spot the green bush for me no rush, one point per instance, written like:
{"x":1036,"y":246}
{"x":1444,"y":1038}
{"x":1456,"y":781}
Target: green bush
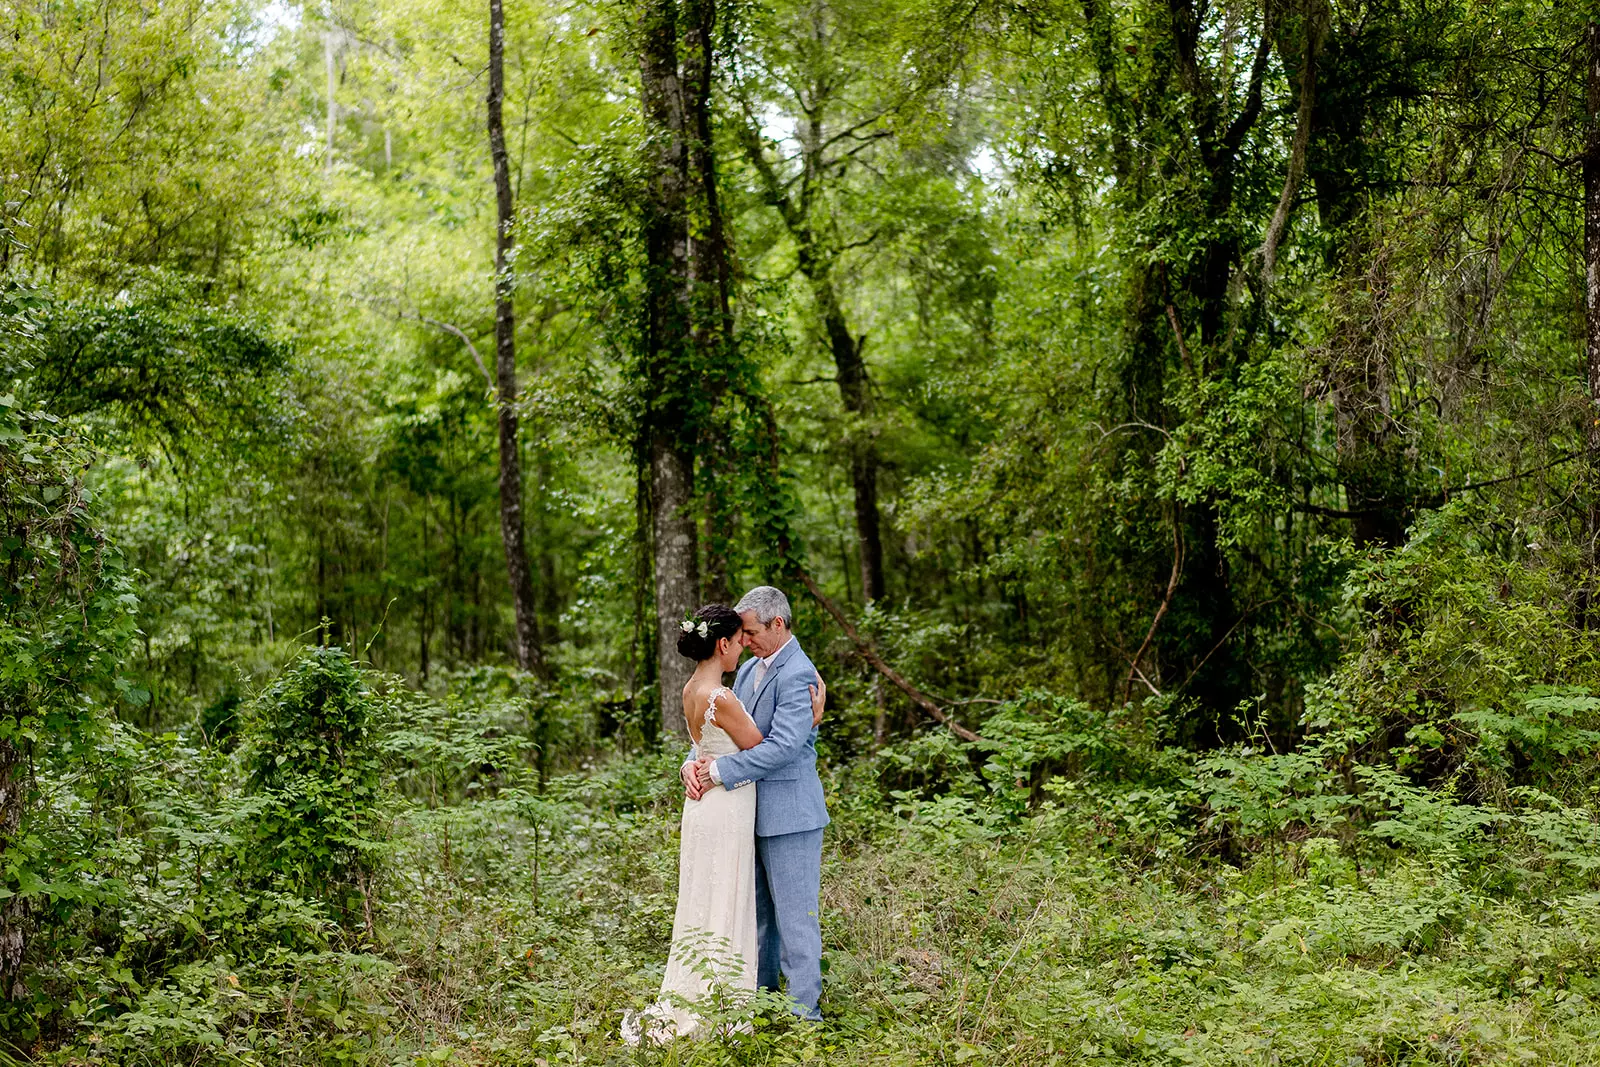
{"x":1469,"y":657}
{"x":312,"y":758}
{"x":66,"y":615}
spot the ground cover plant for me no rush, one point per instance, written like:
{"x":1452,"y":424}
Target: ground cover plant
{"x":1136,"y":904}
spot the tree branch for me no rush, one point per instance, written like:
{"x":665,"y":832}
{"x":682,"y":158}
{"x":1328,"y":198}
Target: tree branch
{"x":1166,"y":603}
{"x":1233,"y":137}
{"x":865,"y":649}
{"x":1297,"y":149}
{"x":1435,"y":499}
{"x":1177,"y":331}
{"x":471,"y":348}
{"x":400,"y":312}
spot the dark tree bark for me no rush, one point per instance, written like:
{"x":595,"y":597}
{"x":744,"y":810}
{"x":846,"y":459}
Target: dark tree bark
{"x":529,"y":655}
{"x":14,"y":910}
{"x":855,"y":391}
{"x":1369,"y":445}
{"x":668,"y":449}
{"x":710,"y":291}
{"x":1591,"y":263}
{"x":816,"y":262}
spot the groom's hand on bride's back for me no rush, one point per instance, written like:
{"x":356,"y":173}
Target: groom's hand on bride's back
{"x":819,"y":700}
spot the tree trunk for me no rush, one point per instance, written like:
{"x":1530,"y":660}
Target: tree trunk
{"x":710,"y":266}
{"x":710,"y":286}
{"x":13,"y":910}
{"x":855,"y":388}
{"x":1591,"y":262}
{"x":1368,"y":444}
{"x":669,"y":382}
{"x":677,"y":573}
{"x":529,"y":655}
{"x":855,"y":391}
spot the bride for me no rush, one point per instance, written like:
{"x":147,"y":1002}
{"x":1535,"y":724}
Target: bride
{"x":714,"y":930}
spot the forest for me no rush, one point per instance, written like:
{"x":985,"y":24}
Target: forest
{"x":1176,"y":424}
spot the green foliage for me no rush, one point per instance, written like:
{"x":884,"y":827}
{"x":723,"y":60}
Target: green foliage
{"x":67,"y":613}
{"x":1471,"y":659}
{"x":1042,"y":735}
{"x":66,"y":604}
{"x":518,"y":926}
{"x":167,"y":363}
{"x":313,"y":763}
{"x":1269,"y":588}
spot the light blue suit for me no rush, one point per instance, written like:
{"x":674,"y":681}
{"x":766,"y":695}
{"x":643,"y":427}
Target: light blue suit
{"x":790,"y":815}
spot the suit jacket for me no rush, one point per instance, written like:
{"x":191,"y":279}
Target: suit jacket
{"x":784,"y":765}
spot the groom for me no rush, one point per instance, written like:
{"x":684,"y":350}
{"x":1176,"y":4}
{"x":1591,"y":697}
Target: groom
{"x":775,"y":687}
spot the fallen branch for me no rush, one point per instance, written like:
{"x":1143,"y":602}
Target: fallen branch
{"x":869,"y":653}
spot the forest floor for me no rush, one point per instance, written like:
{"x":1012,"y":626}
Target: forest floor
{"x":517,"y":931}
{"x":515,"y":925}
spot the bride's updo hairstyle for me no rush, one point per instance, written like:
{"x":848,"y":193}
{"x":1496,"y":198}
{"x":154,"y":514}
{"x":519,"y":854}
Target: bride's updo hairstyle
{"x":699,"y":633}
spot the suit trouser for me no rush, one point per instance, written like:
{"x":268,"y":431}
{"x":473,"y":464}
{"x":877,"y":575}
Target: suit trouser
{"x":788,"y":930}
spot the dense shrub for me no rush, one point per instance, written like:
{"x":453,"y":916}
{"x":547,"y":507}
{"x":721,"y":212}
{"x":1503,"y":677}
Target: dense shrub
{"x":66,"y":616}
{"x":1470,"y":656}
{"x":312,"y":758}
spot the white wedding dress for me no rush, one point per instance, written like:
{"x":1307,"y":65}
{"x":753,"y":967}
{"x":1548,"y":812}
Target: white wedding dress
{"x":714,"y":931}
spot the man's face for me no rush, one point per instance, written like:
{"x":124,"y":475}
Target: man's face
{"x":762,"y":639}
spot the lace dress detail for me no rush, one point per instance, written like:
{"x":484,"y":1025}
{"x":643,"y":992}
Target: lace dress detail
{"x":714,"y":930}
{"x":711,"y":715}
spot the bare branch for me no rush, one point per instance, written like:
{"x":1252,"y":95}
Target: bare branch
{"x":1161,"y":612}
{"x":459,"y":333}
{"x":868,"y":652}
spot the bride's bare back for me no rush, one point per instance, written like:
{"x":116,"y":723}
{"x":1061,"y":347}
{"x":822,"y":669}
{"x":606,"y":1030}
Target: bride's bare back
{"x":730,"y":714}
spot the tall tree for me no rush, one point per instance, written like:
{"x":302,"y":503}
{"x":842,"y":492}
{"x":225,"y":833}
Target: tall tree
{"x":1178,"y":337}
{"x":529,"y":654}
{"x":667,"y":441}
{"x":1591,"y":263}
{"x":711,"y":283}
{"x":66,"y":616}
{"x":824,"y":68}
{"x":818,"y":261}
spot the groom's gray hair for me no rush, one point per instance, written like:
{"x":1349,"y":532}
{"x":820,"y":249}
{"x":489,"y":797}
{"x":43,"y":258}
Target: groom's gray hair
{"x":768,"y":604}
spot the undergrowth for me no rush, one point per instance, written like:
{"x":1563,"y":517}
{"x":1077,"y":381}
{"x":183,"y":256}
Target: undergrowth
{"x":515,"y":927}
{"x":365,"y":874}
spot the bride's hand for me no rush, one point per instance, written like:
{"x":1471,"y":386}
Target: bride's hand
{"x":689,"y":772}
{"x":819,"y":700}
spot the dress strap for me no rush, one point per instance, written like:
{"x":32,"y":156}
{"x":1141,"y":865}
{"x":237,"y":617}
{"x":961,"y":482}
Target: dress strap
{"x":711,"y":705}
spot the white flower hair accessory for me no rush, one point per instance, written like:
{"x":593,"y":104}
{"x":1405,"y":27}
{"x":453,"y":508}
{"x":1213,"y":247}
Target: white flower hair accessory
{"x":695,"y":625}
{"x":687,"y":626}
{"x":704,"y":628}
